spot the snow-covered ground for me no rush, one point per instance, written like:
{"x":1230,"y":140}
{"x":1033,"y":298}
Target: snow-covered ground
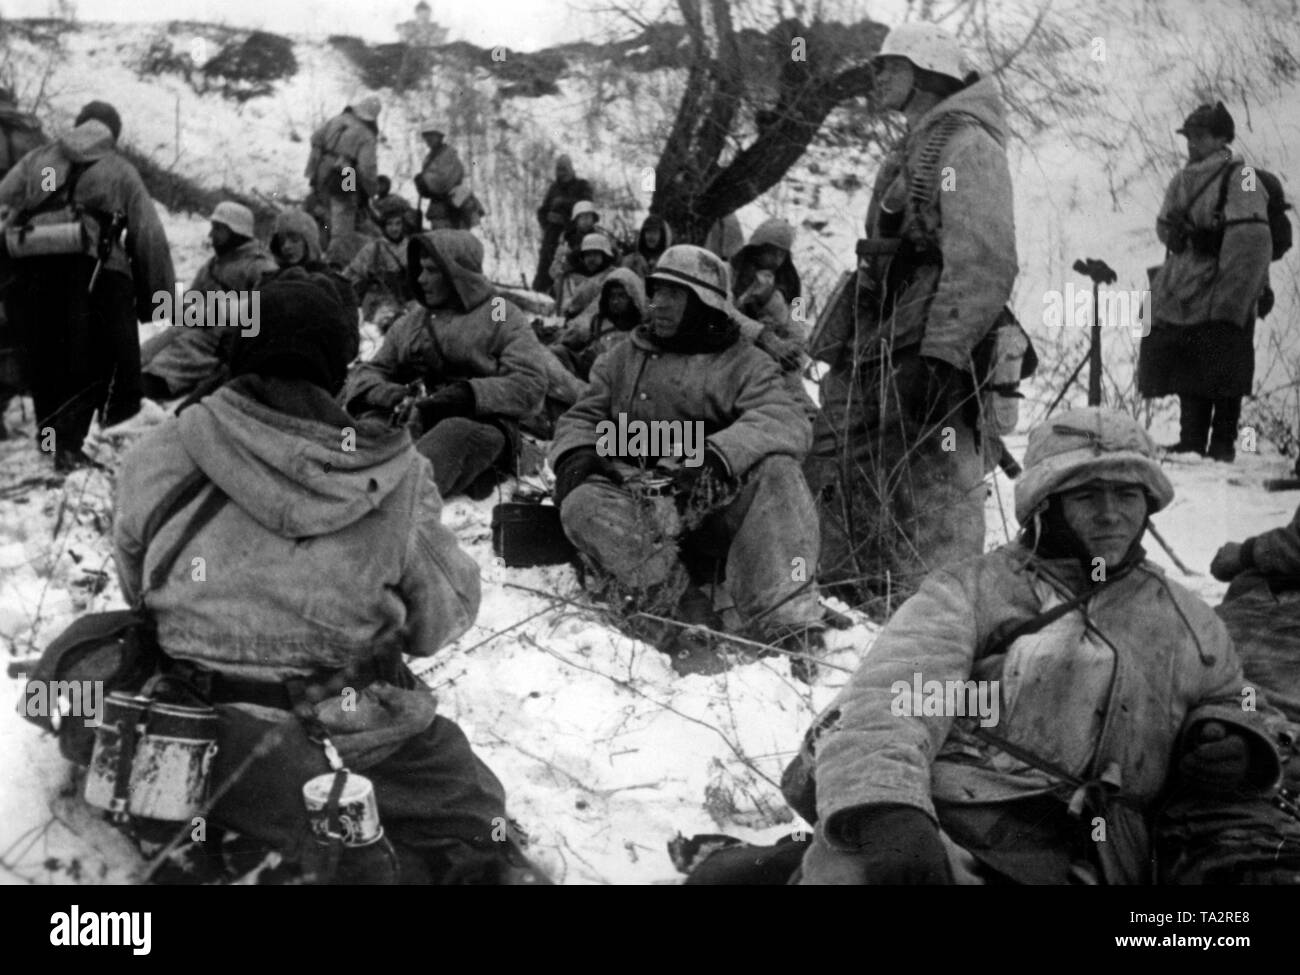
{"x":606,"y":753}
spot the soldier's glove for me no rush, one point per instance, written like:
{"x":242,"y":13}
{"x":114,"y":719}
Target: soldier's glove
{"x":456,"y":399}
{"x":703,"y":485}
{"x":1217,"y":759}
{"x":893,"y":845}
{"x":577,"y":466}
{"x":1265,"y":304}
{"x":927,"y":389}
{"x":1228,"y":562}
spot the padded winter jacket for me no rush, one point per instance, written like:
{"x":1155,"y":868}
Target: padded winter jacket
{"x":323,"y":556}
{"x":347,"y":140}
{"x":1106,"y":692}
{"x":441,"y":172}
{"x":592,"y":327}
{"x":747,"y":412}
{"x":968,"y":220}
{"x":489,"y":344}
{"x":109,"y":184}
{"x":1192,"y":288}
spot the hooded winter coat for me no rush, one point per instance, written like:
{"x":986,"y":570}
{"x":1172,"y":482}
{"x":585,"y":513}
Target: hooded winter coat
{"x":344,"y":140}
{"x":1193,"y":288}
{"x":947,"y":300}
{"x":597,"y":333}
{"x":780,"y":234}
{"x":483,"y":339}
{"x":737,"y":392}
{"x":1107,"y":692}
{"x":645,"y":258}
{"x":109,"y":184}
{"x":183,"y":357}
{"x":322,"y":557}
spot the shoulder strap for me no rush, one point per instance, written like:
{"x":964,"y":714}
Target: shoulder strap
{"x":175,"y":500}
{"x":1226,"y":174}
{"x":1034,"y":624}
{"x":62,"y":195}
{"x":1223,"y":202}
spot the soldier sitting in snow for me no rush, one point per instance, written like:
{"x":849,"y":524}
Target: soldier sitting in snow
{"x":741,"y":492}
{"x":1119,"y":693}
{"x":476,"y":355}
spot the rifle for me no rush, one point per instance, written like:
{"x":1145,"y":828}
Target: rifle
{"x":405,"y":410}
{"x":104,"y":246}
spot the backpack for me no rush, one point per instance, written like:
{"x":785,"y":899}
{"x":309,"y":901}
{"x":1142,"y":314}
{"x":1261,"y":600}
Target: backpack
{"x":1279,"y":224}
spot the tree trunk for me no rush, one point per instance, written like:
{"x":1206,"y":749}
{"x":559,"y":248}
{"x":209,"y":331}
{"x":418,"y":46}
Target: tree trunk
{"x":693,"y":190}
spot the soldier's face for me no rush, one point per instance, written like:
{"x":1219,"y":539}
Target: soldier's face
{"x":1200,"y":144}
{"x":563,"y":172}
{"x":220,"y":236}
{"x":393,"y":228}
{"x":293,"y":249}
{"x":1106,"y":516}
{"x":584,"y":222}
{"x":667,"y":309}
{"x":434,"y":284}
{"x":592,"y":260}
{"x":617,"y":301}
{"x":894,"y":79}
{"x":769,"y":257}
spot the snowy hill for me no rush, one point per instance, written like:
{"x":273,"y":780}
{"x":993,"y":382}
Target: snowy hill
{"x":605,"y":753}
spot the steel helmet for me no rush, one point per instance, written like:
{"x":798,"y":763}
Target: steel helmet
{"x":432,"y":127}
{"x":1086,"y":444}
{"x":697,"y":269}
{"x":926,"y":46}
{"x":234,"y":215}
{"x":597,"y":242}
{"x":367,"y":109}
{"x":584,"y":206}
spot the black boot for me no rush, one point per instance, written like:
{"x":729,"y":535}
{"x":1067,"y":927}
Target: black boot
{"x":1223,"y":430}
{"x":1193,"y":425}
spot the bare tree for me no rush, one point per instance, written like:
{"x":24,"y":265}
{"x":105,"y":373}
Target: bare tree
{"x":779,"y":84}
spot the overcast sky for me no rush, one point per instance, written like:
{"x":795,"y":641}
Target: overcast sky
{"x":518,"y":24}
